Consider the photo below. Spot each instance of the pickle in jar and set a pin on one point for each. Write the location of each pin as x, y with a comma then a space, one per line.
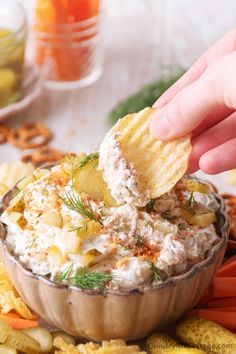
12, 49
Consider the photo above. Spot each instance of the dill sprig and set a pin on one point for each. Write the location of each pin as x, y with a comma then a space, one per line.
157, 273
64, 275
150, 206
33, 242
75, 229
78, 228
84, 278
83, 207
139, 240
191, 202
88, 158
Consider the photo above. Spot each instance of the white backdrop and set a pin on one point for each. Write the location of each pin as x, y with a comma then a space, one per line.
142, 39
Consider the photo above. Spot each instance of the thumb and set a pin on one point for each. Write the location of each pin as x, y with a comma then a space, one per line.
188, 109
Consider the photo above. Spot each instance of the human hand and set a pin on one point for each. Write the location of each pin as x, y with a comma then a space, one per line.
203, 101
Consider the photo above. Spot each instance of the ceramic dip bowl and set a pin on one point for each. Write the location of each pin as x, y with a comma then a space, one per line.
108, 313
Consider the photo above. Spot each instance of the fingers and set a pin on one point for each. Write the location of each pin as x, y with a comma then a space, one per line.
216, 116
189, 108
219, 159
223, 46
211, 138
185, 112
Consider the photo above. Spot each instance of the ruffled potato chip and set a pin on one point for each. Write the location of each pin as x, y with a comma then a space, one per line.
160, 164
12, 172
117, 346
3, 189
64, 348
10, 299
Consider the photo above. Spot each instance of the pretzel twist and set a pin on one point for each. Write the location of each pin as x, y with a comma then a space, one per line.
42, 155
4, 132
30, 136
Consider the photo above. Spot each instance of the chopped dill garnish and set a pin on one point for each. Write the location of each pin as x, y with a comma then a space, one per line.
126, 248
77, 204
45, 187
78, 228
39, 214
191, 202
75, 229
88, 158
166, 215
150, 206
140, 240
64, 275
84, 278
33, 242
157, 274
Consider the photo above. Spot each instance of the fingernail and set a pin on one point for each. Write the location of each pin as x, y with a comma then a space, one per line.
159, 126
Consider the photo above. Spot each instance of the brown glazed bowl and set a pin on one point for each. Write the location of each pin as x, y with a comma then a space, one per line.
109, 314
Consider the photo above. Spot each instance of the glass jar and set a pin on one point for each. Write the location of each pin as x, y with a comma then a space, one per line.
67, 47
12, 49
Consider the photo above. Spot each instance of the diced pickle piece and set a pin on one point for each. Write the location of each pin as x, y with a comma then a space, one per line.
194, 186
56, 254
72, 242
17, 339
90, 256
89, 179
18, 219
8, 80
40, 172
91, 228
42, 336
187, 214
52, 218
25, 181
17, 204
70, 163
202, 220
65, 336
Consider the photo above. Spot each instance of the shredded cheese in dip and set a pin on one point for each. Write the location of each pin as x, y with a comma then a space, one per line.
120, 174
54, 237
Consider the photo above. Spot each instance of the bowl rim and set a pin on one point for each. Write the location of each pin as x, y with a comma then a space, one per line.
222, 231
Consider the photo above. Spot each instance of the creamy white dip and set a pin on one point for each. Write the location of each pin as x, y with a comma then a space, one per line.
120, 174
122, 241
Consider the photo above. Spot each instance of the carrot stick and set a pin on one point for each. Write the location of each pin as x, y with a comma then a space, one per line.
18, 323
221, 309
224, 287
228, 269
206, 297
229, 260
11, 314
225, 319
223, 302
